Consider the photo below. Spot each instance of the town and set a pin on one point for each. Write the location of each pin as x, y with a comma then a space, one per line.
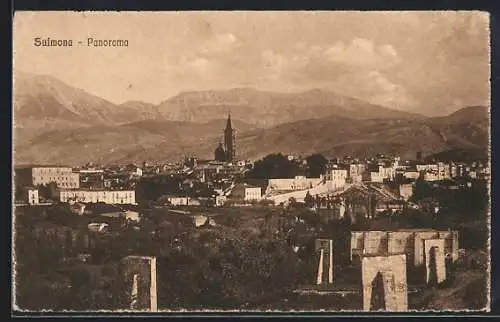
281, 232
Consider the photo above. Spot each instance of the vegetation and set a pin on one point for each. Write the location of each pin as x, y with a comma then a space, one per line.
151, 189
246, 259
230, 266
316, 165
274, 166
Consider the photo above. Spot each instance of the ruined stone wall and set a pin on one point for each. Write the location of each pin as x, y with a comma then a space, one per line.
409, 242
357, 242
401, 242
145, 268
393, 270
436, 246
375, 242
451, 243
420, 236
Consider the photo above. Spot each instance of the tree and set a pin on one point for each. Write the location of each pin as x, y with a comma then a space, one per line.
150, 189
316, 164
309, 200
274, 166
48, 191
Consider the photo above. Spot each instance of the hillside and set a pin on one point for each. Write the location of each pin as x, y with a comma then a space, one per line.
341, 136
41, 98
267, 109
54, 122
333, 136
50, 101
135, 141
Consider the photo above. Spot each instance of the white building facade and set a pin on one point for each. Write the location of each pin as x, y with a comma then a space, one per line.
64, 177
253, 193
336, 178
94, 196
33, 198
297, 183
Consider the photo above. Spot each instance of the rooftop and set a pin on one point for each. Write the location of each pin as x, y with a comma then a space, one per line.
96, 189
30, 166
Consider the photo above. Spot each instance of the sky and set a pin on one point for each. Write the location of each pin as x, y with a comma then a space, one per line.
428, 62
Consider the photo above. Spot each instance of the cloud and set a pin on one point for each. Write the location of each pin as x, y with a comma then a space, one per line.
275, 65
200, 64
362, 52
206, 59
384, 92
357, 68
221, 43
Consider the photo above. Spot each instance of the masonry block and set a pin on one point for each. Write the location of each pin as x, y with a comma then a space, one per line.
375, 242
357, 243
384, 278
401, 242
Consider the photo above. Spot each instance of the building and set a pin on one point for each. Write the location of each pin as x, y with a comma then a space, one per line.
376, 177
383, 173
431, 176
91, 180
94, 196
336, 178
226, 153
427, 167
28, 195
183, 201
387, 173
220, 200
33, 198
412, 175
63, 177
246, 192
135, 171
297, 183
356, 172
220, 154
406, 191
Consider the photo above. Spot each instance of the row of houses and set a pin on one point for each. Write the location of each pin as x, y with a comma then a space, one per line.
69, 187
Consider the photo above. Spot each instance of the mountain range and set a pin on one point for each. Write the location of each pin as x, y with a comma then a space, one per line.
55, 122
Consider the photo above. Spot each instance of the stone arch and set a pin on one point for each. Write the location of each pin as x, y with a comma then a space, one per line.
435, 263
377, 301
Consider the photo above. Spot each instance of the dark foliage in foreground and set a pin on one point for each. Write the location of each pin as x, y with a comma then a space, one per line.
197, 269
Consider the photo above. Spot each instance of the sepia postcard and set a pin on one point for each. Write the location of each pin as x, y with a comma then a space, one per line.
260, 161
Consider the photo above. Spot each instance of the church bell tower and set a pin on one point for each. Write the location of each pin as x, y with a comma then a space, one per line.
229, 140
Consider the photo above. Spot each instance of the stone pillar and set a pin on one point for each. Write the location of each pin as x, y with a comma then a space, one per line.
140, 273
330, 264
434, 260
455, 246
319, 279
134, 293
391, 270
325, 246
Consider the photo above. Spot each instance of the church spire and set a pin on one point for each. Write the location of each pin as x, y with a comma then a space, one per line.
229, 140
228, 124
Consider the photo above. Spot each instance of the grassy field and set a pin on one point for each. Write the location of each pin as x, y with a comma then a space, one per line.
467, 291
